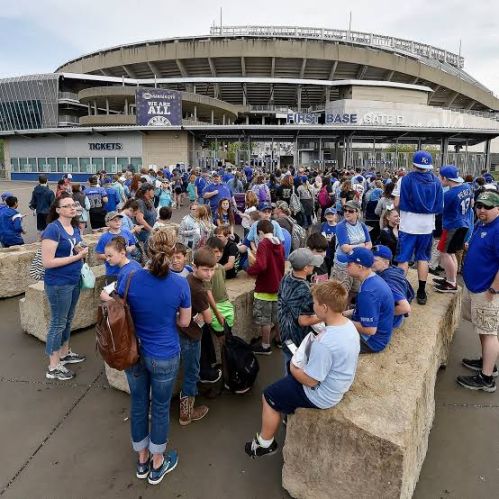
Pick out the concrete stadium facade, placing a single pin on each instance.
(250, 84)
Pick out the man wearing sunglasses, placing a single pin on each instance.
(480, 303)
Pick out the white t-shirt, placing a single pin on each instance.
(414, 223)
(332, 362)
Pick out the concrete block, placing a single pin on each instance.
(374, 442)
(16, 261)
(34, 308)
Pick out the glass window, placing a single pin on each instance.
(42, 165)
(136, 163)
(14, 164)
(85, 165)
(122, 163)
(52, 164)
(110, 165)
(61, 165)
(32, 165)
(23, 164)
(97, 164)
(72, 165)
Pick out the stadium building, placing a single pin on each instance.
(274, 94)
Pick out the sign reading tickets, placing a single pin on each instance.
(158, 107)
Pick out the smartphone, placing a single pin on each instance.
(291, 346)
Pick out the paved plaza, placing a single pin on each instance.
(64, 440)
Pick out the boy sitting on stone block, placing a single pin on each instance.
(326, 377)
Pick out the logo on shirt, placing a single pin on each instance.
(367, 319)
(483, 234)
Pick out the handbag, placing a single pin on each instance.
(36, 269)
(87, 277)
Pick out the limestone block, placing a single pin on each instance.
(374, 442)
(35, 311)
(117, 379)
(16, 261)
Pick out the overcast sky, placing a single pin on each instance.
(36, 36)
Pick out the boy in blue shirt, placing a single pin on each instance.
(327, 375)
(11, 223)
(455, 224)
(328, 230)
(374, 308)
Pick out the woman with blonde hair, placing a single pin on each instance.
(160, 303)
(250, 205)
(206, 225)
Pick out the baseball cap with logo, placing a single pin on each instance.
(488, 198)
(450, 172)
(112, 215)
(6, 195)
(423, 160)
(264, 206)
(383, 252)
(302, 257)
(330, 211)
(362, 256)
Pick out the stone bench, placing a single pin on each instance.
(240, 291)
(34, 308)
(16, 261)
(374, 442)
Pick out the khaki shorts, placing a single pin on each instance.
(264, 312)
(340, 274)
(483, 314)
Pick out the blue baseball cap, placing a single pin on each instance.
(450, 172)
(423, 160)
(6, 195)
(382, 252)
(264, 206)
(330, 211)
(362, 256)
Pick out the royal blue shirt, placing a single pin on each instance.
(67, 274)
(113, 199)
(200, 184)
(375, 308)
(421, 192)
(95, 194)
(482, 259)
(101, 246)
(154, 303)
(329, 232)
(125, 271)
(223, 193)
(457, 205)
(10, 227)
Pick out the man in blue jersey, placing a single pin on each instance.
(480, 302)
(456, 222)
(216, 191)
(419, 196)
(200, 184)
(374, 307)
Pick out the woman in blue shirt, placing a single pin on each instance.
(160, 302)
(62, 254)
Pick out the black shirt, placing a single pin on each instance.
(230, 250)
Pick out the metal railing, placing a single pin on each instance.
(383, 41)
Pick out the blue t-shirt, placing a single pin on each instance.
(154, 303)
(184, 272)
(347, 233)
(200, 184)
(457, 205)
(113, 199)
(124, 272)
(95, 195)
(332, 362)
(482, 259)
(101, 246)
(223, 193)
(375, 308)
(67, 274)
(329, 232)
(286, 243)
(253, 234)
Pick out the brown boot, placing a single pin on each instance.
(185, 410)
(198, 412)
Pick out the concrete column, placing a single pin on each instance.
(194, 89)
(247, 120)
(89, 107)
(125, 109)
(444, 146)
(95, 108)
(297, 154)
(195, 113)
(487, 154)
(328, 94)
(299, 98)
(107, 106)
(223, 119)
(263, 120)
(336, 153)
(321, 155)
(212, 117)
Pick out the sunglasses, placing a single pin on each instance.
(350, 211)
(480, 206)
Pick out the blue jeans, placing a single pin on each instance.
(62, 300)
(157, 377)
(190, 350)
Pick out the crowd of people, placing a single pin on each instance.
(348, 237)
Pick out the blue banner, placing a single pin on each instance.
(158, 107)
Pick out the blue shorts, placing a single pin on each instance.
(417, 245)
(286, 395)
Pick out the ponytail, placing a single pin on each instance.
(160, 247)
(117, 243)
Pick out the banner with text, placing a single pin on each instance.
(158, 107)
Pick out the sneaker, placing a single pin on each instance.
(59, 372)
(211, 376)
(437, 271)
(421, 298)
(445, 287)
(238, 392)
(72, 358)
(476, 365)
(254, 449)
(143, 469)
(259, 350)
(170, 462)
(439, 280)
(477, 382)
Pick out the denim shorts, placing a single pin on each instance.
(418, 245)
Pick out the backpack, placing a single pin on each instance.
(324, 198)
(115, 332)
(240, 366)
(298, 235)
(294, 203)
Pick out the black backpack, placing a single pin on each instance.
(240, 366)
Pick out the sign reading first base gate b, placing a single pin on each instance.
(158, 107)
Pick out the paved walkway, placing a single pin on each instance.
(64, 440)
